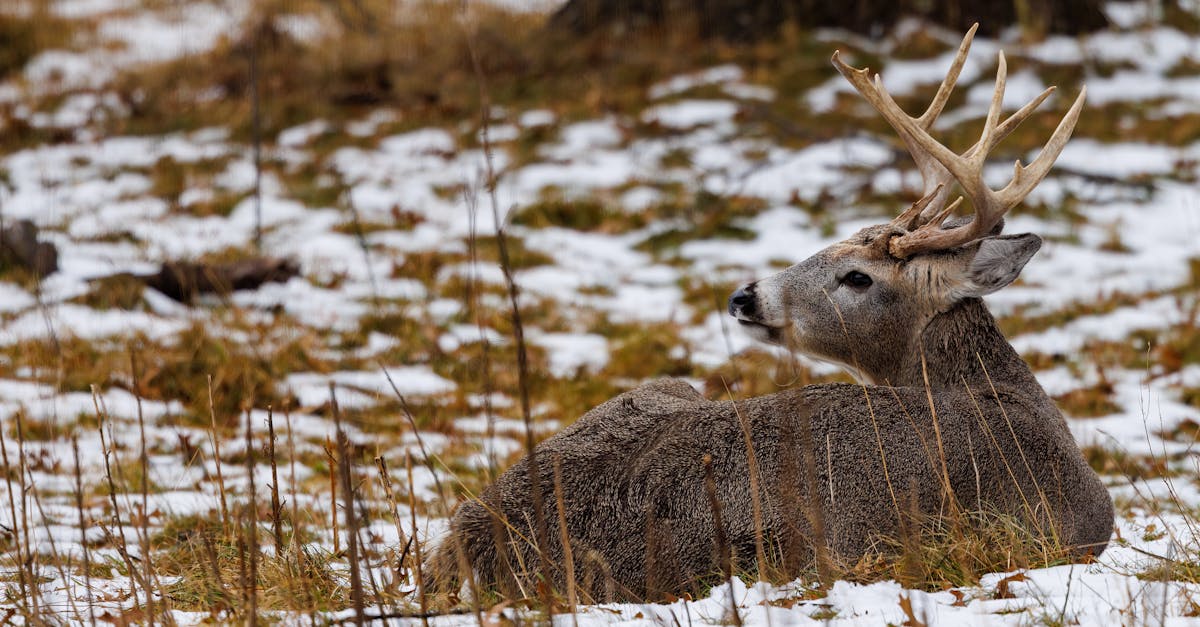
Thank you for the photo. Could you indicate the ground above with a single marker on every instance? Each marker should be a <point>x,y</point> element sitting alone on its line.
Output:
<point>635,191</point>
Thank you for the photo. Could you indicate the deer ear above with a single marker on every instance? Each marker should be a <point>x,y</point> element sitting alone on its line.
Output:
<point>997,262</point>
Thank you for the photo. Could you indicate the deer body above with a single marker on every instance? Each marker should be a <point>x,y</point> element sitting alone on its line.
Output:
<point>947,417</point>
<point>632,472</point>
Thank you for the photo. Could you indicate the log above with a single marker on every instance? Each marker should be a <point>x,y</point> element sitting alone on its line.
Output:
<point>184,281</point>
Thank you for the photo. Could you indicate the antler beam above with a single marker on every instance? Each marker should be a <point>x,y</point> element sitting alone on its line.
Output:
<point>939,166</point>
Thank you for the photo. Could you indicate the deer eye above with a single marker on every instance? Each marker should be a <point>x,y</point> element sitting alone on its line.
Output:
<point>856,279</point>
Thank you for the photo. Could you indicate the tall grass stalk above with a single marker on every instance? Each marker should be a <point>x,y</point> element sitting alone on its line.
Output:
<point>276,505</point>
<point>24,581</point>
<point>83,541</point>
<point>420,572</point>
<point>348,510</point>
<point>215,437</point>
<point>135,578</point>
<point>540,527</point>
<point>251,527</point>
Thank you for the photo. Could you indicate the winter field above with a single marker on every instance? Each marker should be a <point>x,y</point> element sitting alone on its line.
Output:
<point>183,462</point>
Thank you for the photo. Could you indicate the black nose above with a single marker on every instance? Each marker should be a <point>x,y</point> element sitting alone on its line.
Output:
<point>743,301</point>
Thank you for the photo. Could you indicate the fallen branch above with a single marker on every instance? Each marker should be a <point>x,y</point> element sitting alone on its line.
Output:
<point>184,281</point>
<point>19,246</point>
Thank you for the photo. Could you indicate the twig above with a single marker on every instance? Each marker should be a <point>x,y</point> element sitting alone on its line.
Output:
<point>360,235</point>
<point>385,479</point>
<point>412,510</point>
<point>412,423</point>
<point>252,523</point>
<point>333,494</point>
<point>135,578</point>
<point>256,133</point>
<point>144,465</point>
<point>216,444</point>
<point>35,592</point>
<point>760,553</point>
<point>243,574</point>
<point>18,546</point>
<point>540,528</point>
<point>83,544</point>
<point>565,540</point>
<point>725,555</point>
<point>343,448</point>
<point>276,507</point>
<point>210,554</point>
<point>287,417</point>
<point>485,345</point>
<point>535,478</point>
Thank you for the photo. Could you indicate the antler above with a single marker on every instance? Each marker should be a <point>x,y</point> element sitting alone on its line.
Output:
<point>939,165</point>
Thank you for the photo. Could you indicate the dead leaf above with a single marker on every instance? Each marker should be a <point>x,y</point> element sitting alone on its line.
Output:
<point>495,615</point>
<point>907,608</point>
<point>131,616</point>
<point>786,604</point>
<point>1002,591</point>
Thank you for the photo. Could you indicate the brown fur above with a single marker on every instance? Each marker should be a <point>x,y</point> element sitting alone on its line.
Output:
<point>632,474</point>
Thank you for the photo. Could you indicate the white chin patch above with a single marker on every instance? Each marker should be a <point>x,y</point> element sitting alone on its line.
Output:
<point>762,333</point>
<point>851,370</point>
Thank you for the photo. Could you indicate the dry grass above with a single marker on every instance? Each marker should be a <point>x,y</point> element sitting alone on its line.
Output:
<point>414,58</point>
<point>202,556</point>
<point>418,63</point>
<point>954,551</point>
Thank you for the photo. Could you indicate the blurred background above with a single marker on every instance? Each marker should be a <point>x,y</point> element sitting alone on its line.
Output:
<point>213,208</point>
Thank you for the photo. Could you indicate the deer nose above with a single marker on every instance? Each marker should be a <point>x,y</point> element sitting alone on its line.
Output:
<point>743,302</point>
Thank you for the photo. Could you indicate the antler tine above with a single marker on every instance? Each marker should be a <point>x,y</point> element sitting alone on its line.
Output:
<point>1011,123</point>
<point>936,178</point>
<point>911,218</point>
<point>993,114</point>
<point>1020,186</point>
<point>943,93</point>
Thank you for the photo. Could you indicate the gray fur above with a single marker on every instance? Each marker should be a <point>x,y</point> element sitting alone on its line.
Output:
<point>632,475</point>
<point>997,262</point>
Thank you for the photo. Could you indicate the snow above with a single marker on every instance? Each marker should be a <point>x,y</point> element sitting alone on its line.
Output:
<point>86,323</point>
<point>808,171</point>
<point>537,117</point>
<point>691,113</point>
<point>528,6</point>
<point>572,352</point>
<point>422,196</point>
<point>183,30</point>
<point>77,9</point>
<point>686,82</point>
<point>1123,160</point>
<point>581,136</point>
<point>302,134</point>
<point>312,389</point>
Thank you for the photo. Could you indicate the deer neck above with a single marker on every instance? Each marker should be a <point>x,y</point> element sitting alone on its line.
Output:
<point>961,345</point>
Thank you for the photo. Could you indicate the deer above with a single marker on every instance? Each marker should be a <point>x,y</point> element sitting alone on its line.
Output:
<point>635,499</point>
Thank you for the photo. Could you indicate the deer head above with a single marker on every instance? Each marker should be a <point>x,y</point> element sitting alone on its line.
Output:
<point>862,303</point>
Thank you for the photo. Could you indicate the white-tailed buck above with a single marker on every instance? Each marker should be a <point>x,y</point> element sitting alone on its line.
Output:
<point>946,416</point>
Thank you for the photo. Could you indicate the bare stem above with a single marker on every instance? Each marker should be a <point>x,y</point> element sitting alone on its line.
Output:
<point>343,449</point>
<point>216,444</point>
<point>720,539</point>
<point>83,542</point>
